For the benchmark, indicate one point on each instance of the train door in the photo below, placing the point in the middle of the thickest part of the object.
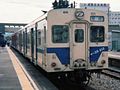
(28, 45)
(20, 41)
(24, 42)
(41, 40)
(35, 46)
(78, 45)
(39, 48)
(32, 44)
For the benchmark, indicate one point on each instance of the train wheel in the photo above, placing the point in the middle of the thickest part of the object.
(80, 77)
(86, 82)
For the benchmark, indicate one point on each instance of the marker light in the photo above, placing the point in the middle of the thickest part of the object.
(53, 64)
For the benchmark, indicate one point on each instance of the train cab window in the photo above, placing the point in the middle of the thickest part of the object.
(97, 34)
(60, 34)
(79, 35)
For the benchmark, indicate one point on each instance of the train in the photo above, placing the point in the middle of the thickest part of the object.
(2, 40)
(68, 42)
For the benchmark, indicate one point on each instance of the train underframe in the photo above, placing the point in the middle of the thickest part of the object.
(78, 76)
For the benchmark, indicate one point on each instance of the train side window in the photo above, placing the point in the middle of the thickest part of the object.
(28, 40)
(39, 38)
(60, 34)
(79, 35)
(20, 39)
(97, 34)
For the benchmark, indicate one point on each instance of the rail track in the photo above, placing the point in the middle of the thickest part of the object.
(112, 72)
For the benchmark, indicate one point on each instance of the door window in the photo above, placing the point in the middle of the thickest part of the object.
(79, 35)
(39, 38)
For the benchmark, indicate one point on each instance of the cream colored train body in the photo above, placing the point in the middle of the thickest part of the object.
(66, 40)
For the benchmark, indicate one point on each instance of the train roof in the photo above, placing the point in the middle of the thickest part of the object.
(47, 12)
(54, 10)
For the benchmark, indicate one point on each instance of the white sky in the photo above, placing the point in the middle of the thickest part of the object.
(24, 11)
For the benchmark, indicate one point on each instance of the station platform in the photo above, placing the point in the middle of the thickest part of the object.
(114, 55)
(8, 76)
(12, 76)
(114, 61)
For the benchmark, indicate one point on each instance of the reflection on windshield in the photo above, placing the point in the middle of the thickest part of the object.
(79, 35)
(97, 34)
(60, 34)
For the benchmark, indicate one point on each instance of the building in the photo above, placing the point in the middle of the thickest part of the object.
(114, 18)
(10, 27)
(116, 40)
(98, 6)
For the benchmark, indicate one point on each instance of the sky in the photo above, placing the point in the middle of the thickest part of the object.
(24, 11)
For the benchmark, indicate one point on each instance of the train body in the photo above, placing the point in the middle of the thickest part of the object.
(66, 40)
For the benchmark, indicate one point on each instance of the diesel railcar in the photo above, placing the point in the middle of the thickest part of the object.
(69, 42)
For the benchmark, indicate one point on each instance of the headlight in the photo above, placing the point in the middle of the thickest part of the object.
(103, 62)
(53, 64)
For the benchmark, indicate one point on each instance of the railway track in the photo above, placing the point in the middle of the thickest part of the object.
(112, 72)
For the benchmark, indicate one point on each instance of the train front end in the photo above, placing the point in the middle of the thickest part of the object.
(77, 39)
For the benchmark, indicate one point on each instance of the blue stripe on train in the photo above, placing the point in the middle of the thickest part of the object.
(95, 52)
(62, 53)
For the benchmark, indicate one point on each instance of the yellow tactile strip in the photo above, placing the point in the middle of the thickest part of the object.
(24, 81)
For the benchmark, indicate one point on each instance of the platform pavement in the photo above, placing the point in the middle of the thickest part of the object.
(8, 77)
(115, 55)
(13, 75)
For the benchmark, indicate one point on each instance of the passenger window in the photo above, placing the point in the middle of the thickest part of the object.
(97, 34)
(28, 40)
(39, 38)
(60, 34)
(79, 35)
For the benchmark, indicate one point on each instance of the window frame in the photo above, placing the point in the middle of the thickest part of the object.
(97, 20)
(97, 37)
(39, 39)
(52, 33)
(80, 37)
